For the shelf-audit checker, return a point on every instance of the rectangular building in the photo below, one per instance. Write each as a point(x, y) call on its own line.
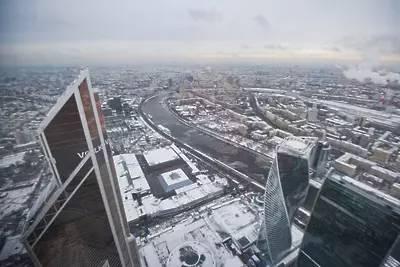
point(82, 222)
point(161, 157)
point(173, 180)
point(352, 225)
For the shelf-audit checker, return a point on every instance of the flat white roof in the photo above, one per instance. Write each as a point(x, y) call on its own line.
point(294, 145)
point(162, 243)
point(184, 196)
point(8, 160)
point(134, 173)
point(160, 155)
point(315, 183)
point(130, 175)
point(16, 200)
point(186, 159)
point(237, 220)
point(174, 177)
point(12, 246)
point(165, 240)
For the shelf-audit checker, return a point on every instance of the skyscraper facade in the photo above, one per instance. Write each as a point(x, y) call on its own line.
point(169, 83)
point(321, 158)
point(352, 224)
point(82, 221)
point(285, 191)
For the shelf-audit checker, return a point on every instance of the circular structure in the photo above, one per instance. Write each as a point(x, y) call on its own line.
point(191, 254)
point(259, 200)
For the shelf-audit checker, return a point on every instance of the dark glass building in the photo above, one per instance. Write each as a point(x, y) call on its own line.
point(321, 158)
point(351, 225)
point(81, 221)
point(115, 103)
point(285, 191)
point(311, 195)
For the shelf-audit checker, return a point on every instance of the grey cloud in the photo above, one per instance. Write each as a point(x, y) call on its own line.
point(211, 26)
point(263, 22)
point(388, 43)
point(352, 42)
point(335, 49)
point(382, 43)
point(395, 5)
point(25, 26)
point(332, 49)
point(276, 47)
point(205, 15)
point(245, 47)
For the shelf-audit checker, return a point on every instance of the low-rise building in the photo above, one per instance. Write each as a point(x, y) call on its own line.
point(173, 180)
point(344, 167)
point(382, 152)
point(131, 178)
point(161, 157)
point(349, 164)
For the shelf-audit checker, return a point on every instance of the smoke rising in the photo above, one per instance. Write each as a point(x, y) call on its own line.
point(366, 70)
point(361, 74)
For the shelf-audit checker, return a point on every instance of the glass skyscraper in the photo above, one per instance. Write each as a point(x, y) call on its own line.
point(351, 225)
point(81, 221)
point(285, 191)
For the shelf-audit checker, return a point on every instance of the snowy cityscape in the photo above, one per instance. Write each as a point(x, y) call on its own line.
point(212, 162)
point(207, 133)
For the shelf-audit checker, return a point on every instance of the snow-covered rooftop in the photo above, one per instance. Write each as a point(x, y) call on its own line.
point(174, 177)
point(160, 155)
point(294, 145)
point(237, 221)
point(162, 246)
point(131, 179)
point(16, 199)
point(12, 246)
point(195, 170)
point(8, 160)
point(231, 218)
point(185, 196)
point(130, 175)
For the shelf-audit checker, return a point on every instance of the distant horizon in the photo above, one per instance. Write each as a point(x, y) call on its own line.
point(43, 32)
point(240, 60)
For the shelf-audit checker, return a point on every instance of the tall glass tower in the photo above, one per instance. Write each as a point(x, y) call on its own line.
point(285, 191)
point(351, 225)
point(81, 220)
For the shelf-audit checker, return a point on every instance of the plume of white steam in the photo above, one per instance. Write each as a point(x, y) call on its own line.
point(365, 70)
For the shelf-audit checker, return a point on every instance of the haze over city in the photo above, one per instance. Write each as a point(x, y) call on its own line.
point(46, 32)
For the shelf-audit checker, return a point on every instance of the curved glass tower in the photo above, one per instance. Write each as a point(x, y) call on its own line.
point(285, 191)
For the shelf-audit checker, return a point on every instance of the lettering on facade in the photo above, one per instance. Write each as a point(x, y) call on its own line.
point(96, 150)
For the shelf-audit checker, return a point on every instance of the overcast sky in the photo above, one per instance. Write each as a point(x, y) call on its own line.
point(98, 31)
